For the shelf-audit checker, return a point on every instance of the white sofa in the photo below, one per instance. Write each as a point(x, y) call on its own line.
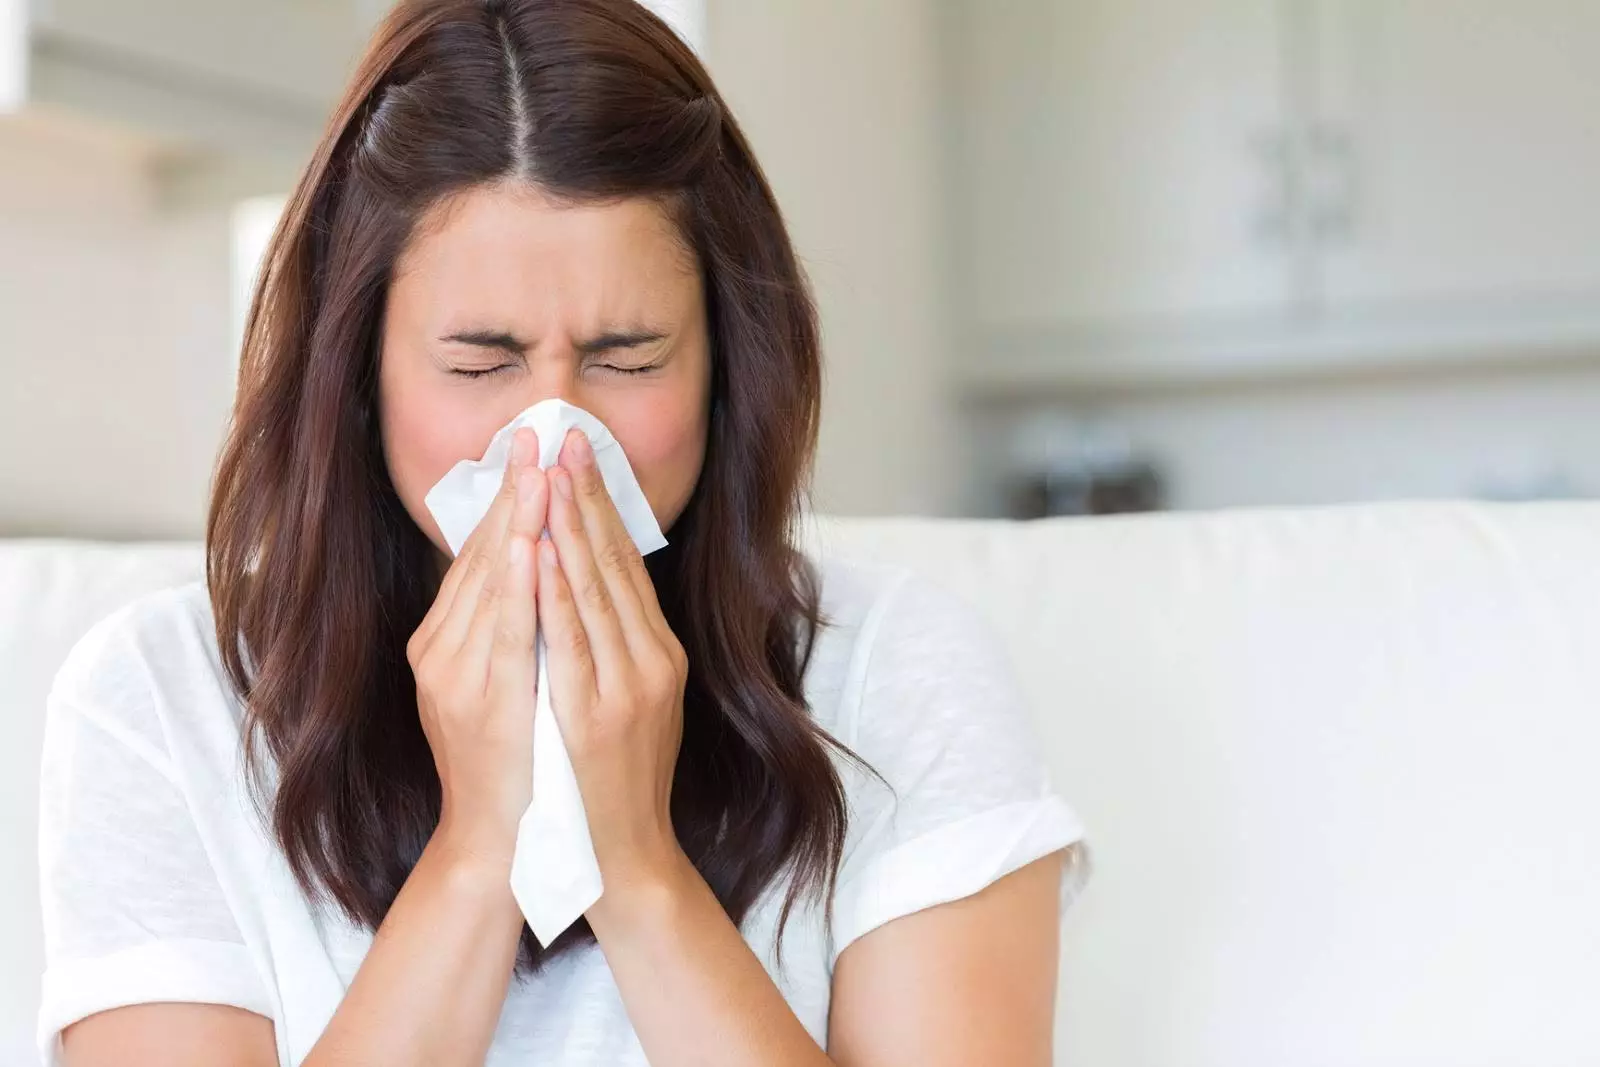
point(1341, 770)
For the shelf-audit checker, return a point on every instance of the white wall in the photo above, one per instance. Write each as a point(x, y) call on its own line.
point(840, 99)
point(113, 341)
point(114, 314)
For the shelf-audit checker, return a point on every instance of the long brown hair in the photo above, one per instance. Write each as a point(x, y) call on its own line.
point(318, 575)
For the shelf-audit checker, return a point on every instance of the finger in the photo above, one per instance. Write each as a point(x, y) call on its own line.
point(616, 557)
point(513, 665)
point(639, 574)
point(523, 446)
point(571, 668)
point(507, 581)
point(481, 553)
point(592, 599)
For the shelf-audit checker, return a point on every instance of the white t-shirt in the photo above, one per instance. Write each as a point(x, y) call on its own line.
point(160, 882)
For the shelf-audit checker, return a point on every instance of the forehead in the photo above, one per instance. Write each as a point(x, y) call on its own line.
point(502, 247)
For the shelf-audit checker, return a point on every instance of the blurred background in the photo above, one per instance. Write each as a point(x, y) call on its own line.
point(1072, 255)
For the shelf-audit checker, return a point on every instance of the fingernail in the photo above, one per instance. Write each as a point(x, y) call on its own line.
point(525, 484)
point(563, 483)
point(581, 449)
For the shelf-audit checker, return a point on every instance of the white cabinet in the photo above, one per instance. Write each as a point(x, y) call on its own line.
point(240, 79)
point(1168, 191)
point(1112, 158)
point(218, 79)
point(1473, 129)
point(286, 51)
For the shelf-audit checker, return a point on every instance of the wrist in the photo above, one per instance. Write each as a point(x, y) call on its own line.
point(476, 852)
point(469, 879)
point(645, 893)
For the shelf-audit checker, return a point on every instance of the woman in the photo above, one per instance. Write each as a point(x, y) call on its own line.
point(279, 806)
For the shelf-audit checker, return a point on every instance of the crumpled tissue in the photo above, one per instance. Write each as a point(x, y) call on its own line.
point(554, 874)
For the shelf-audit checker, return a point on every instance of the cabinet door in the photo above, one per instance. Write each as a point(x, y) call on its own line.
point(230, 78)
point(1115, 160)
point(1473, 136)
point(285, 53)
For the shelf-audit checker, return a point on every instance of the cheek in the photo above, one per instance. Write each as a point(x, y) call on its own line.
point(425, 433)
point(665, 444)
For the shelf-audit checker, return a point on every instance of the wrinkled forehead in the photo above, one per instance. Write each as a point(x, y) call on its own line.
point(509, 253)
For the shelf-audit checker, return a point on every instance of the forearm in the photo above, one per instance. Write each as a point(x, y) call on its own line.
point(433, 983)
point(694, 990)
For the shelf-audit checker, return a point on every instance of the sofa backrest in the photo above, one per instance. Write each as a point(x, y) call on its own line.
point(51, 592)
point(1340, 770)
point(1337, 768)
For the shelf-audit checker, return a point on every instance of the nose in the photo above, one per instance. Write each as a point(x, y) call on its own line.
point(553, 374)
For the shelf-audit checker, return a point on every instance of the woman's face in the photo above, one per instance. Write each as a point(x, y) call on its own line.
point(505, 298)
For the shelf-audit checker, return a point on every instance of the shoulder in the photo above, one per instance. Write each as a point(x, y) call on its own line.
point(953, 790)
point(894, 635)
point(138, 829)
point(146, 669)
point(875, 604)
point(852, 598)
point(855, 593)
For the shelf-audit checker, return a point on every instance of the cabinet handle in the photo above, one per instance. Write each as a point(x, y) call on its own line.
point(1273, 224)
point(1333, 214)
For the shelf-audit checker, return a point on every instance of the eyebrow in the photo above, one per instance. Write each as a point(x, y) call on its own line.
point(608, 342)
point(507, 342)
point(497, 339)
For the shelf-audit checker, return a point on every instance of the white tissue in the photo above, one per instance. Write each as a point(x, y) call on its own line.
point(554, 874)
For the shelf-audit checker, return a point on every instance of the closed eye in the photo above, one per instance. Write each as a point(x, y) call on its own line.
point(465, 373)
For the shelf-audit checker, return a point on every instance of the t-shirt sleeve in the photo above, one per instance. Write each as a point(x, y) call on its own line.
point(940, 717)
point(133, 911)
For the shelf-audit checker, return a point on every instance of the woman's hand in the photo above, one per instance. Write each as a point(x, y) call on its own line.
point(473, 658)
point(616, 673)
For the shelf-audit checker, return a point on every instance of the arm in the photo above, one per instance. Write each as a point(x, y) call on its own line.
point(977, 976)
point(185, 1035)
point(432, 986)
point(429, 991)
point(972, 981)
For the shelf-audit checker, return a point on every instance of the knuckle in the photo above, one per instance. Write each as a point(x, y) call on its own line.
point(661, 670)
point(591, 485)
point(594, 594)
point(478, 565)
point(510, 637)
point(577, 646)
point(676, 660)
point(616, 555)
point(427, 674)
